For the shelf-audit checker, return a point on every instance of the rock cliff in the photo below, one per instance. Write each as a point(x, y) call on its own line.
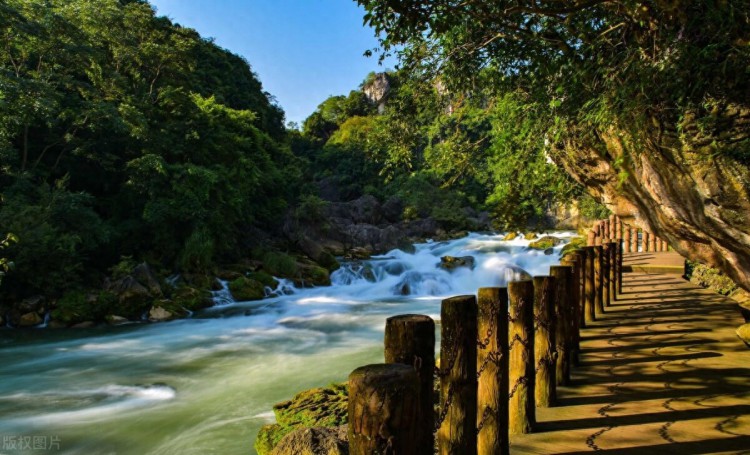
point(688, 182)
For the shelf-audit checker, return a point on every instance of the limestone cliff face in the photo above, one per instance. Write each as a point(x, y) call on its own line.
point(377, 89)
point(675, 184)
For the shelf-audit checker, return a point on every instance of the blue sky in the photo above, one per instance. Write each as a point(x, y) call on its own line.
point(302, 50)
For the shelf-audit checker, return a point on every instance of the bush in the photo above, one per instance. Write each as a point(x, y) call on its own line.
point(280, 264)
point(77, 306)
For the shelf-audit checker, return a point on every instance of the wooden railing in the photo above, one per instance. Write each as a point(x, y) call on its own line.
point(502, 354)
point(633, 239)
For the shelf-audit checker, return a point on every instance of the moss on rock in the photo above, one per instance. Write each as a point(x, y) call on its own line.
point(319, 407)
point(545, 242)
point(710, 278)
point(244, 289)
point(575, 244)
point(510, 236)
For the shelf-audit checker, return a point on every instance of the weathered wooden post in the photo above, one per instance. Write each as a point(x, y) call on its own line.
point(522, 415)
point(492, 372)
point(620, 255)
point(626, 239)
point(634, 240)
point(575, 262)
point(564, 331)
point(457, 432)
point(410, 339)
point(606, 269)
point(652, 243)
point(384, 410)
point(590, 285)
point(581, 257)
point(618, 228)
point(612, 228)
point(545, 330)
point(591, 237)
point(599, 280)
point(646, 241)
point(613, 270)
point(664, 245)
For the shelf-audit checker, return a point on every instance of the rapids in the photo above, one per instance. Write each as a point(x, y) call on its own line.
point(207, 384)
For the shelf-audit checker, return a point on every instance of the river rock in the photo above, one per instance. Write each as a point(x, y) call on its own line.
point(113, 319)
point(314, 441)
point(31, 304)
point(319, 407)
point(451, 263)
point(29, 319)
point(743, 332)
point(510, 236)
point(132, 296)
point(84, 325)
point(392, 209)
point(159, 314)
point(245, 289)
point(530, 236)
point(146, 277)
point(545, 242)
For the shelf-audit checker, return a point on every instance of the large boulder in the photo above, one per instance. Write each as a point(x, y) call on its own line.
point(314, 441)
point(683, 177)
point(743, 333)
point(160, 314)
point(33, 304)
point(29, 319)
point(143, 274)
point(133, 297)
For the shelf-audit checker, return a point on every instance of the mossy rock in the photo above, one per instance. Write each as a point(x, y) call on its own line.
point(191, 299)
point(319, 407)
point(530, 236)
point(711, 278)
point(78, 306)
point(510, 236)
point(244, 289)
point(327, 260)
point(264, 278)
point(268, 437)
point(575, 244)
point(280, 264)
point(318, 276)
point(545, 242)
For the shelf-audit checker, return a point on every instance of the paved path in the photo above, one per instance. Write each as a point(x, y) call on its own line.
point(661, 373)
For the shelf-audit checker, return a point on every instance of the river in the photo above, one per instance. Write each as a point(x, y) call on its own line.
point(206, 384)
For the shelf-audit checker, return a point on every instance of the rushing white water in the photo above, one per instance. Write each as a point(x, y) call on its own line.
point(207, 384)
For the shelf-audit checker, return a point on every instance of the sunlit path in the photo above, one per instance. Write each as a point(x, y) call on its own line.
point(661, 372)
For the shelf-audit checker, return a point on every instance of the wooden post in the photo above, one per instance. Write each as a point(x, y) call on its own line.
point(652, 243)
point(646, 241)
point(410, 339)
point(619, 268)
point(545, 330)
point(612, 228)
point(606, 270)
point(582, 264)
point(591, 238)
point(599, 280)
point(564, 331)
point(634, 240)
point(383, 409)
point(612, 272)
point(626, 239)
point(492, 372)
point(522, 415)
point(575, 261)
point(664, 245)
point(590, 285)
point(458, 376)
point(618, 228)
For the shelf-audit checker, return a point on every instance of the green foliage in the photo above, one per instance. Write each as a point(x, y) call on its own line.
point(77, 306)
point(122, 134)
point(710, 278)
point(5, 263)
point(280, 264)
point(590, 208)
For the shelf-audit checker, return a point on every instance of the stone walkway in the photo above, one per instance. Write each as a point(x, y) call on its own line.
point(661, 373)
